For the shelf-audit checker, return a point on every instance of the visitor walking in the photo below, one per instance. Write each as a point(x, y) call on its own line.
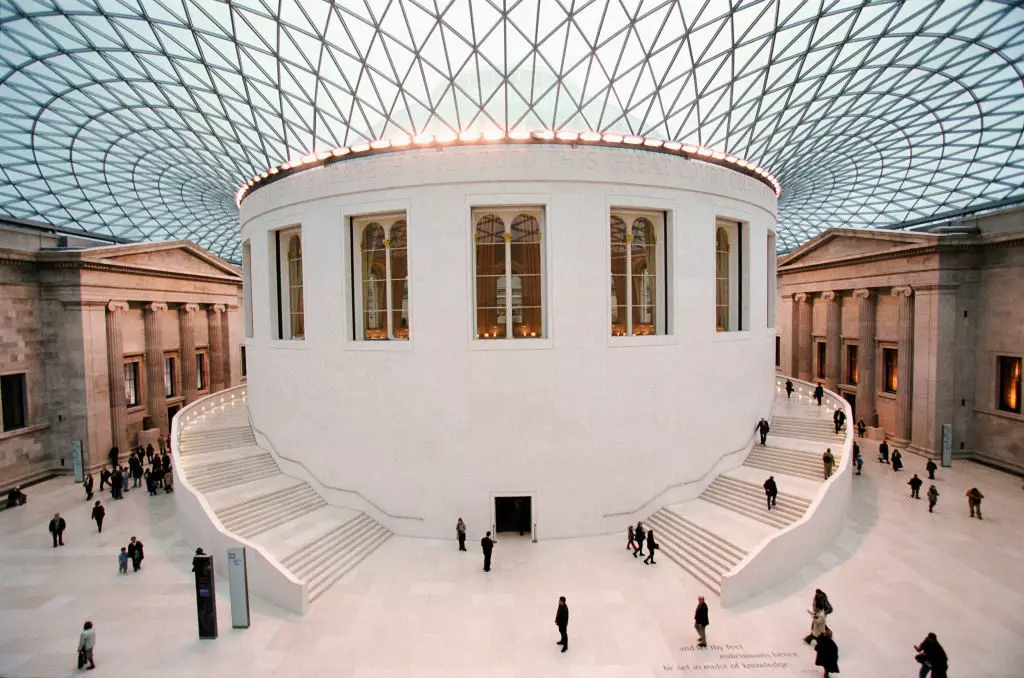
point(122, 561)
point(700, 622)
point(168, 479)
point(817, 626)
point(460, 533)
point(158, 472)
point(116, 483)
point(974, 497)
point(639, 533)
point(827, 653)
point(562, 622)
point(87, 484)
point(771, 490)
point(861, 428)
point(789, 388)
point(57, 527)
point(86, 643)
point(98, 513)
point(149, 453)
point(819, 393)
point(883, 453)
point(820, 603)
point(630, 538)
point(136, 470)
point(762, 428)
point(125, 477)
point(933, 498)
point(487, 544)
point(136, 554)
point(915, 486)
point(897, 460)
point(829, 461)
point(931, 657)
point(150, 482)
point(858, 460)
point(931, 468)
point(651, 546)
point(104, 477)
point(839, 418)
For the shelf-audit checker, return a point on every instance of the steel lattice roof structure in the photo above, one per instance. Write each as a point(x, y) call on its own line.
point(141, 118)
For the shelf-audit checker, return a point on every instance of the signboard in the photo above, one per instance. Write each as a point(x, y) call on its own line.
point(947, 445)
point(238, 584)
point(76, 460)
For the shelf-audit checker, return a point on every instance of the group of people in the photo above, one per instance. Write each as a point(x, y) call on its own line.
point(132, 552)
point(159, 474)
point(635, 542)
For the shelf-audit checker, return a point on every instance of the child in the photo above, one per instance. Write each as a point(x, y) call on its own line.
point(122, 560)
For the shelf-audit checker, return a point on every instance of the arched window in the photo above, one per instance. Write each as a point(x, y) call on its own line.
point(287, 247)
point(509, 273)
point(722, 278)
point(637, 262)
point(383, 294)
point(295, 301)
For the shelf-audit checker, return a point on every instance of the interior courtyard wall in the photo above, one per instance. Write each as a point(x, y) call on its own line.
point(586, 423)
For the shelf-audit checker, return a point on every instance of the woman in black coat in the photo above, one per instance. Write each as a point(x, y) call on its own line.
point(827, 653)
point(651, 546)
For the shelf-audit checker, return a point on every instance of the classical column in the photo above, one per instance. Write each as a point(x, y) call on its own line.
point(115, 380)
point(866, 388)
point(833, 345)
point(225, 337)
point(804, 345)
point(905, 364)
point(187, 333)
point(156, 401)
point(213, 317)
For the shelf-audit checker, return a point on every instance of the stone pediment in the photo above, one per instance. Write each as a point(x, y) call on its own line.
point(179, 257)
point(841, 244)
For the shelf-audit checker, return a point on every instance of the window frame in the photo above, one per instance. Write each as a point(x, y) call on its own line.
point(358, 224)
point(886, 351)
point(737, 232)
point(772, 280)
point(24, 405)
point(852, 375)
point(630, 215)
point(247, 309)
point(139, 375)
point(175, 389)
point(820, 358)
point(242, 362)
point(778, 351)
point(1002, 403)
point(202, 370)
point(282, 264)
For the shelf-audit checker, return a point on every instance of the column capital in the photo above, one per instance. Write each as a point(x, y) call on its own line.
point(115, 306)
point(800, 296)
point(828, 296)
point(863, 293)
point(905, 291)
point(156, 307)
point(190, 308)
point(217, 308)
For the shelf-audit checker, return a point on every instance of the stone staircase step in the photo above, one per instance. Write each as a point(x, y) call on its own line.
point(278, 515)
point(787, 505)
point(683, 537)
point(782, 469)
point(302, 560)
point(690, 560)
point(230, 480)
point(259, 501)
point(724, 499)
point(732, 550)
point(322, 580)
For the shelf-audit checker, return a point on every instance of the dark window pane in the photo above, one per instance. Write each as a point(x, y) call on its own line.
point(14, 401)
point(1009, 383)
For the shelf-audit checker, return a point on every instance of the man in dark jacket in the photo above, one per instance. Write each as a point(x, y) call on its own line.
point(771, 490)
point(789, 388)
point(700, 621)
point(640, 534)
point(839, 418)
point(651, 547)
point(136, 469)
point(135, 553)
point(116, 483)
point(562, 622)
point(931, 468)
point(104, 477)
point(915, 487)
point(827, 653)
point(98, 513)
point(932, 657)
point(487, 544)
point(57, 527)
point(762, 428)
point(883, 453)
point(819, 393)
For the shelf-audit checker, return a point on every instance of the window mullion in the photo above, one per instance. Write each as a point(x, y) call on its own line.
point(629, 284)
point(508, 283)
point(387, 287)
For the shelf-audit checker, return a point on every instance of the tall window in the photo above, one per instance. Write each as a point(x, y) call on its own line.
point(383, 290)
point(1009, 383)
point(509, 271)
point(291, 318)
point(821, 353)
point(638, 272)
point(169, 377)
point(14, 401)
point(247, 287)
point(131, 384)
point(772, 278)
point(722, 279)
point(244, 373)
point(731, 279)
point(852, 372)
point(778, 351)
point(200, 371)
point(890, 363)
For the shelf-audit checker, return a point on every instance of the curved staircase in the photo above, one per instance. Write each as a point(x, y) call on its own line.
point(713, 534)
point(252, 499)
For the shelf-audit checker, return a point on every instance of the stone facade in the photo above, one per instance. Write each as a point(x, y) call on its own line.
point(948, 304)
point(72, 313)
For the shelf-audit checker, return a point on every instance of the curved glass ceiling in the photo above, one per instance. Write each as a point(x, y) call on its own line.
point(140, 118)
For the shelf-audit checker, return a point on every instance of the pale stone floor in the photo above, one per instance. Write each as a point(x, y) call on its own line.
point(419, 608)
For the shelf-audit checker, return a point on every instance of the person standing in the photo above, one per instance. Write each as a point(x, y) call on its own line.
point(915, 486)
point(157, 471)
point(57, 527)
point(897, 460)
point(974, 497)
point(136, 554)
point(460, 533)
point(861, 428)
point(883, 453)
point(487, 544)
point(630, 538)
point(651, 546)
point(763, 428)
point(165, 461)
point(771, 490)
point(149, 453)
point(789, 388)
point(104, 477)
point(839, 418)
point(819, 393)
point(827, 653)
point(113, 456)
point(700, 622)
point(562, 622)
point(122, 561)
point(829, 461)
point(150, 482)
point(639, 533)
point(933, 498)
point(86, 643)
point(98, 513)
point(116, 483)
point(932, 657)
point(87, 484)
point(136, 470)
point(858, 460)
point(931, 468)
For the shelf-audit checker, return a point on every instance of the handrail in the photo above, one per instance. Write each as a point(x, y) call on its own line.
point(330, 487)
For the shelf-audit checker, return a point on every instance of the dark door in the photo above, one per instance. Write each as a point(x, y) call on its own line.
point(852, 399)
point(513, 514)
point(171, 411)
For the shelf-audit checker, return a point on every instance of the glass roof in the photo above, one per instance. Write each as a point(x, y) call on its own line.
point(140, 118)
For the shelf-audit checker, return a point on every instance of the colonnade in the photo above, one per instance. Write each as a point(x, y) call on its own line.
point(156, 399)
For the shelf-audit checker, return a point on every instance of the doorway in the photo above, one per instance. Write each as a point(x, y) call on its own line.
point(171, 411)
point(852, 399)
point(513, 514)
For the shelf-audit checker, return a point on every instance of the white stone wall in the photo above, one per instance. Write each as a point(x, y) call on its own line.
point(586, 423)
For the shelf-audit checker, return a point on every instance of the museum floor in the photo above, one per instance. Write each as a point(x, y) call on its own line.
point(418, 608)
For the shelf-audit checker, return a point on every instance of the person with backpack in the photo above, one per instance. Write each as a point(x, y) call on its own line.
point(931, 468)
